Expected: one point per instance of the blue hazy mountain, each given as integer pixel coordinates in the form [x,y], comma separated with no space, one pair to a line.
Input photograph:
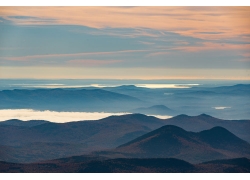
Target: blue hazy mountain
[196,100]
[155,110]
[67,99]
[225,102]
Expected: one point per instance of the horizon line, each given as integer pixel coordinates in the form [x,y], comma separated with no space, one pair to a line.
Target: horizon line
[206,79]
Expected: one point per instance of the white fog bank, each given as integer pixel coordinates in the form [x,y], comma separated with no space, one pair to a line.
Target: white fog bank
[58,117]
[221,107]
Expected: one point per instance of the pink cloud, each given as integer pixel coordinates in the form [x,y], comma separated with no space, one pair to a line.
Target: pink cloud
[230,21]
[158,54]
[206,46]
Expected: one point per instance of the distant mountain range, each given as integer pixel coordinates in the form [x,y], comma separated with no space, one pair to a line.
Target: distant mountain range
[33,141]
[195,100]
[67,99]
[154,110]
[129,98]
[132,142]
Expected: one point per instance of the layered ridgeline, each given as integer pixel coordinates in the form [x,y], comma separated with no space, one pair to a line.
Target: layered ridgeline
[67,100]
[32,141]
[173,142]
[154,110]
[226,102]
[27,143]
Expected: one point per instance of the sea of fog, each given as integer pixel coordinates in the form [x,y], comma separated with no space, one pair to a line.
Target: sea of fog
[58,117]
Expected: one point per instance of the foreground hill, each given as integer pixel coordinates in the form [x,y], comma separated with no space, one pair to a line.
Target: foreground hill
[202,122]
[82,164]
[173,142]
[55,140]
[32,141]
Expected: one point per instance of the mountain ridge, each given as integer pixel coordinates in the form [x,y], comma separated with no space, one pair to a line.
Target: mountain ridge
[102,134]
[174,142]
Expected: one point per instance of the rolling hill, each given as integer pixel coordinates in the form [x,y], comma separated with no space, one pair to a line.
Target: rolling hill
[202,122]
[173,142]
[76,138]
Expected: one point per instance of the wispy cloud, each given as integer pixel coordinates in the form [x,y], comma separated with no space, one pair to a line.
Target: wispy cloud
[246,55]
[92,62]
[163,53]
[26,58]
[205,46]
[146,43]
[126,33]
[29,20]
[230,21]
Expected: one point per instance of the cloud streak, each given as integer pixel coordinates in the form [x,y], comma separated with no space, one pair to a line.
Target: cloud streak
[92,62]
[230,21]
[27,58]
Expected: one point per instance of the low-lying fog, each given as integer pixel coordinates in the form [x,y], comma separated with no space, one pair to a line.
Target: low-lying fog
[59,117]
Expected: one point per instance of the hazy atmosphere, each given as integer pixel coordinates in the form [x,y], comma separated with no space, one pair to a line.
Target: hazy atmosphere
[124,89]
[125,42]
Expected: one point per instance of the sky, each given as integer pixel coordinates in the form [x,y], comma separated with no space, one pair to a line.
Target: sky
[125,42]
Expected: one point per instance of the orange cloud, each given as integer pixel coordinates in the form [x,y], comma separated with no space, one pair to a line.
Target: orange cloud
[246,55]
[189,21]
[206,46]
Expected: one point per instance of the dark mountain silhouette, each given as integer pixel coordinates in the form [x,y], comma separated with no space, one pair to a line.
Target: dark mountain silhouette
[88,164]
[29,144]
[203,122]
[113,127]
[41,142]
[16,122]
[155,110]
[67,99]
[172,141]
[237,165]
[221,138]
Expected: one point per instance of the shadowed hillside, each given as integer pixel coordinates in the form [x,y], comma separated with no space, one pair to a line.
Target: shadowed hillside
[85,164]
[172,141]
[31,141]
